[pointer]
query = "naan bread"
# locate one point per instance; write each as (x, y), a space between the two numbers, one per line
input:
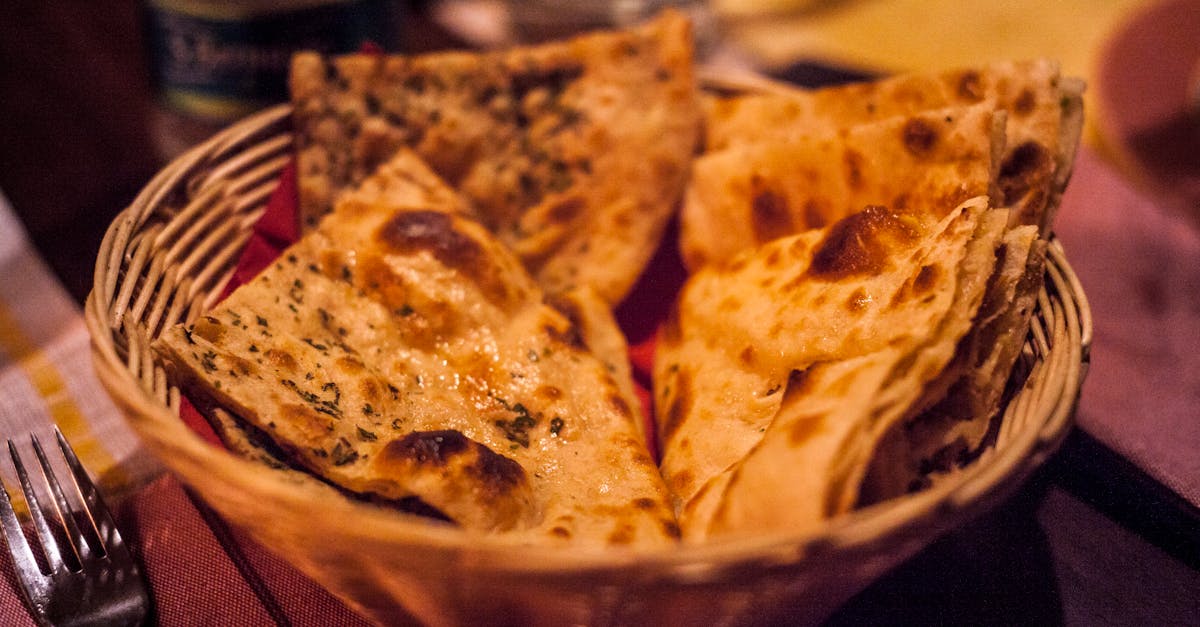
(573, 153)
(753, 192)
(779, 372)
(598, 330)
(759, 144)
(405, 180)
(1044, 121)
(966, 399)
(244, 440)
(835, 413)
(401, 352)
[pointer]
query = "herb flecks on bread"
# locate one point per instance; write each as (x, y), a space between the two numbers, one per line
(573, 153)
(399, 351)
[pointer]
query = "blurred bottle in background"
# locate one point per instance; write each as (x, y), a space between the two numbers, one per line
(215, 61)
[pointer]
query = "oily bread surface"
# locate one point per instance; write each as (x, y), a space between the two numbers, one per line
(399, 350)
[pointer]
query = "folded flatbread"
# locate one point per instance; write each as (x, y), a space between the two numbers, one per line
(962, 404)
(921, 165)
(780, 372)
(400, 352)
(776, 163)
(1044, 120)
(573, 153)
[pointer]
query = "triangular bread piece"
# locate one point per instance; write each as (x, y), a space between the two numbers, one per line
(836, 413)
(752, 192)
(1045, 118)
(946, 428)
(400, 351)
(573, 153)
(792, 360)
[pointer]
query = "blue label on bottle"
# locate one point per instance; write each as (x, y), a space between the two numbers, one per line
(224, 67)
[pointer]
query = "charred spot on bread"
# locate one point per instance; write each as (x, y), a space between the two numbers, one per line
(853, 162)
(970, 86)
(427, 448)
(770, 216)
(920, 136)
(815, 212)
(860, 244)
(926, 278)
(495, 474)
(1025, 103)
(680, 405)
(857, 301)
(410, 231)
(1023, 170)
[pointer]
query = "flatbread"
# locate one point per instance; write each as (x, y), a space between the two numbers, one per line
(787, 364)
(836, 412)
(1045, 118)
(244, 440)
(405, 180)
(962, 406)
(750, 193)
(949, 423)
(573, 153)
(400, 351)
(598, 330)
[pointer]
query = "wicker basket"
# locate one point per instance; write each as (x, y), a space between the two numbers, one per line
(166, 258)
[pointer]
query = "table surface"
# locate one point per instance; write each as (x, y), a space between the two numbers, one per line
(1091, 539)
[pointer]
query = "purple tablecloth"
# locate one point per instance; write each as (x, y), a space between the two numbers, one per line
(1140, 268)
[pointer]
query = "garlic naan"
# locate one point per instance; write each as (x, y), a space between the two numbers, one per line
(573, 153)
(400, 351)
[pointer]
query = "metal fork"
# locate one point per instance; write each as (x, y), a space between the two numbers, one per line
(92, 578)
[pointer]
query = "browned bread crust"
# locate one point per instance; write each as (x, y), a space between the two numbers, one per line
(400, 351)
(574, 153)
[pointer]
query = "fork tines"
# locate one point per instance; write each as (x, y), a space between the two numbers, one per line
(86, 571)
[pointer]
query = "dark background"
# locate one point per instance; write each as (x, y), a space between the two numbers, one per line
(1090, 540)
(75, 104)
(76, 119)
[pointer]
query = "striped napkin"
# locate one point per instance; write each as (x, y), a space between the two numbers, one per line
(46, 375)
(200, 570)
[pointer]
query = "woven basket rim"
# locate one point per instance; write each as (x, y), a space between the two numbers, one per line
(142, 398)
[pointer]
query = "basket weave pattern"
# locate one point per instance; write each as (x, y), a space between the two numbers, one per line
(166, 259)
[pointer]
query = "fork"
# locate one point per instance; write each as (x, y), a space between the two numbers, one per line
(92, 578)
